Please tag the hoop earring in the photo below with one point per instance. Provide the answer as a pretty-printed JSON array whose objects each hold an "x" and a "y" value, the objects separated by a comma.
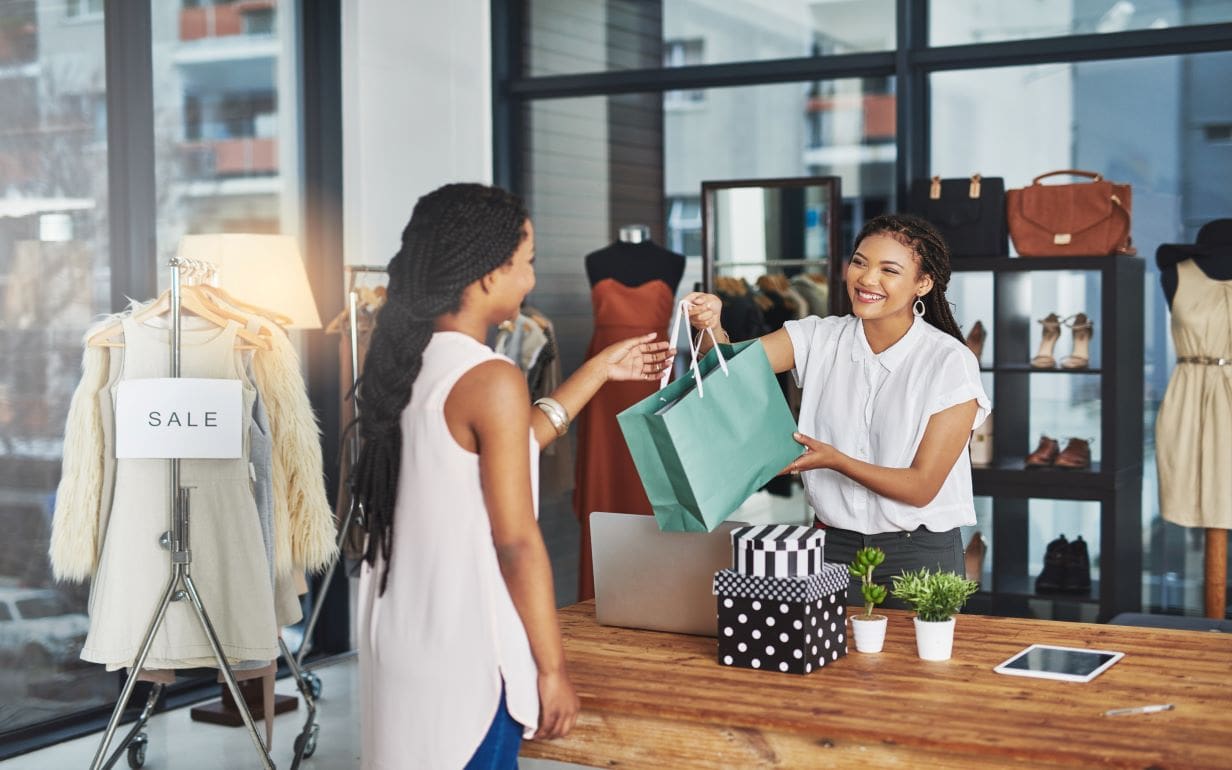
[{"x": 918, "y": 308}]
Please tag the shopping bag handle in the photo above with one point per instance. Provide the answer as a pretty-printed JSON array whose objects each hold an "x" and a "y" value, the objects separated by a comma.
[{"x": 682, "y": 314}]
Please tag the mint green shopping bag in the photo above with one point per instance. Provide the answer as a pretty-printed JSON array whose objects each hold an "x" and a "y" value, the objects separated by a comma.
[{"x": 701, "y": 451}]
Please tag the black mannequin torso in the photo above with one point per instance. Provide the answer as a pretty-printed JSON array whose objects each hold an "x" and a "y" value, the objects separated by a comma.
[
  {"x": 633, "y": 264},
  {"x": 1217, "y": 268}
]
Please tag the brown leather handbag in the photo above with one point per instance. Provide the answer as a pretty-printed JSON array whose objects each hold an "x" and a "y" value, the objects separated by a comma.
[{"x": 1069, "y": 220}]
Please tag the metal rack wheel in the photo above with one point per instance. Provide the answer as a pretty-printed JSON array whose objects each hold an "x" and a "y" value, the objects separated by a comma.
[
  {"x": 306, "y": 743},
  {"x": 314, "y": 683},
  {"x": 136, "y": 750}
]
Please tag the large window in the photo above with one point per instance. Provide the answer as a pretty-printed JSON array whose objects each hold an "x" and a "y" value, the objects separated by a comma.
[
  {"x": 226, "y": 157},
  {"x": 55, "y": 277},
  {"x": 1135, "y": 90},
  {"x": 225, "y": 119},
  {"x": 565, "y": 36},
  {"x": 952, "y": 22}
]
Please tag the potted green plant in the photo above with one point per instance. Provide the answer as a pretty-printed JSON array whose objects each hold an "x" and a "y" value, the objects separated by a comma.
[
  {"x": 869, "y": 629},
  {"x": 936, "y": 598}
]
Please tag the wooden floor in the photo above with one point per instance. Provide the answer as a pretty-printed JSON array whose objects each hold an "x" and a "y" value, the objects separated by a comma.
[{"x": 660, "y": 700}]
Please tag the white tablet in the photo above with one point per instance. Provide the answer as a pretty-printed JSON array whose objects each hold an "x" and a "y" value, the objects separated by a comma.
[{"x": 1069, "y": 664}]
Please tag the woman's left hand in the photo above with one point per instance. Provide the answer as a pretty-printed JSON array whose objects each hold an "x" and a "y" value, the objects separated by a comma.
[
  {"x": 816, "y": 455},
  {"x": 637, "y": 358}
]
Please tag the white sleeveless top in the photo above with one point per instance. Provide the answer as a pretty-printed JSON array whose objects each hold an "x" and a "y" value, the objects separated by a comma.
[{"x": 434, "y": 648}]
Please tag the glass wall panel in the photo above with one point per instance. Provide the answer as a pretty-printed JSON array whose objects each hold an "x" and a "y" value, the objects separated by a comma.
[
  {"x": 954, "y": 22},
  {"x": 593, "y": 164},
  {"x": 54, "y": 278},
  {"x": 563, "y": 36},
  {"x": 225, "y": 118},
  {"x": 1019, "y": 122}
]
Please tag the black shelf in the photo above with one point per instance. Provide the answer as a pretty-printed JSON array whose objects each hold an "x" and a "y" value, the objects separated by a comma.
[
  {"x": 1028, "y": 369},
  {"x": 1009, "y": 477},
  {"x": 1115, "y": 483},
  {"x": 1023, "y": 587},
  {"x": 1032, "y": 264}
]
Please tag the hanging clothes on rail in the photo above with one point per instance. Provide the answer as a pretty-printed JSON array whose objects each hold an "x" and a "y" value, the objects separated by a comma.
[
  {"x": 530, "y": 342},
  {"x": 258, "y": 521},
  {"x": 368, "y": 302}
]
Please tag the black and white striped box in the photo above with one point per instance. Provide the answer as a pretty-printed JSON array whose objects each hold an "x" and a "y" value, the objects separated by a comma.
[{"x": 778, "y": 550}]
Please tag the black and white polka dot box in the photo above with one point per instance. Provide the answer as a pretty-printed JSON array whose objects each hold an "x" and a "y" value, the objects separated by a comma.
[
  {"x": 778, "y": 550},
  {"x": 790, "y": 625}
]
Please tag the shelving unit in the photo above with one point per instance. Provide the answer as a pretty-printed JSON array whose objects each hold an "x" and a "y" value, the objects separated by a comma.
[{"x": 1115, "y": 482}]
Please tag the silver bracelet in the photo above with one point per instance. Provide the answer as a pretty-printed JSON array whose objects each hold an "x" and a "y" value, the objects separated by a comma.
[{"x": 556, "y": 414}]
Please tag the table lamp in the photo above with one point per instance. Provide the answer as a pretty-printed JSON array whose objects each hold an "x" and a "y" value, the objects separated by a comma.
[{"x": 263, "y": 270}]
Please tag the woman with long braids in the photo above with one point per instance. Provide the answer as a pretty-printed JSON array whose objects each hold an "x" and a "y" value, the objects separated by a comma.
[
  {"x": 460, "y": 651},
  {"x": 890, "y": 397}
]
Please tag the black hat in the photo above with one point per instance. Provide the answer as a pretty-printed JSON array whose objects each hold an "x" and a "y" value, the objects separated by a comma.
[{"x": 1214, "y": 238}]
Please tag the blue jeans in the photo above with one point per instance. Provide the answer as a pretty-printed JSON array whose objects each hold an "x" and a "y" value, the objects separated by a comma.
[{"x": 499, "y": 748}]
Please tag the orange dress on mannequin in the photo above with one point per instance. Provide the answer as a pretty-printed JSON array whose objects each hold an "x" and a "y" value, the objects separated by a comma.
[{"x": 606, "y": 479}]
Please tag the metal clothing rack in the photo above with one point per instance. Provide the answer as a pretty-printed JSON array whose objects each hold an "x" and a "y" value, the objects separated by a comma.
[
  {"x": 355, "y": 510},
  {"x": 180, "y": 587}
]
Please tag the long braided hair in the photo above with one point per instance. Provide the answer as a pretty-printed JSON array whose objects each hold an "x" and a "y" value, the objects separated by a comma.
[
  {"x": 923, "y": 239},
  {"x": 457, "y": 234}
]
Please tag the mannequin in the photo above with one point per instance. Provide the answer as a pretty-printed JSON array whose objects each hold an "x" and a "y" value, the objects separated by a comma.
[
  {"x": 1211, "y": 255},
  {"x": 633, "y": 288},
  {"x": 634, "y": 259}
]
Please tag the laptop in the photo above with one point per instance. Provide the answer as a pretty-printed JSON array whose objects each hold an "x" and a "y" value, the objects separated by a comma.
[{"x": 661, "y": 581}]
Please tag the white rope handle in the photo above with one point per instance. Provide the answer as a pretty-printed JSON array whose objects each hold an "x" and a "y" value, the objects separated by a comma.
[{"x": 682, "y": 314}]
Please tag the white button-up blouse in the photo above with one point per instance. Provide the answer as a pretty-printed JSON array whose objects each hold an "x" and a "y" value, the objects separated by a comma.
[{"x": 875, "y": 408}]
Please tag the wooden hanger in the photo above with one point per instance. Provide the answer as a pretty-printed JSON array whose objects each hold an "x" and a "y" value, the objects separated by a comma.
[
  {"x": 224, "y": 298},
  {"x": 192, "y": 301}
]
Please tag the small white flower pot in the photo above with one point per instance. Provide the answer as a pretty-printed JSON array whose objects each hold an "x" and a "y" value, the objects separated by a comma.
[
  {"x": 934, "y": 640},
  {"x": 870, "y": 632}
]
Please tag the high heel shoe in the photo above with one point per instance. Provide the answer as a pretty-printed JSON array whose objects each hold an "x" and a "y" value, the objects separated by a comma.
[
  {"x": 973, "y": 557},
  {"x": 1081, "y": 357},
  {"x": 1052, "y": 332},
  {"x": 975, "y": 339}
]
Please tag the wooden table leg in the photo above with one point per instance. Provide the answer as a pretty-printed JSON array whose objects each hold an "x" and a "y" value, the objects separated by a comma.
[{"x": 1216, "y": 573}]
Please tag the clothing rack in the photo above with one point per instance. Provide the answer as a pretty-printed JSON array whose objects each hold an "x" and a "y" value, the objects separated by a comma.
[
  {"x": 355, "y": 511},
  {"x": 720, "y": 264},
  {"x": 180, "y": 586}
]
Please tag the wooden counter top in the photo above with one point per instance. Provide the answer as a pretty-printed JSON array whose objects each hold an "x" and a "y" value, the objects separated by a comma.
[{"x": 660, "y": 700}]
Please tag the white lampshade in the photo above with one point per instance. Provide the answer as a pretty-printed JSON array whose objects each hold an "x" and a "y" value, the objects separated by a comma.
[{"x": 262, "y": 270}]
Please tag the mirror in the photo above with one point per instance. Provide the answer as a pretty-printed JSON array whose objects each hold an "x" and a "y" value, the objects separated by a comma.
[
  {"x": 771, "y": 227},
  {"x": 770, "y": 252}
]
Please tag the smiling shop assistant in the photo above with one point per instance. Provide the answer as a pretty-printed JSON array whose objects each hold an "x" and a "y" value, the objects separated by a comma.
[{"x": 890, "y": 397}]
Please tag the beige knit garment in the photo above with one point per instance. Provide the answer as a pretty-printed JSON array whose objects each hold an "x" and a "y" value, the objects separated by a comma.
[{"x": 1193, "y": 452}]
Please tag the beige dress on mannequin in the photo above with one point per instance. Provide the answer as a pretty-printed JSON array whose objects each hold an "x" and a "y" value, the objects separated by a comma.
[{"x": 1193, "y": 453}]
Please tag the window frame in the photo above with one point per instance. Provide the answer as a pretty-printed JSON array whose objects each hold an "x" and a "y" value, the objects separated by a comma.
[{"x": 910, "y": 64}]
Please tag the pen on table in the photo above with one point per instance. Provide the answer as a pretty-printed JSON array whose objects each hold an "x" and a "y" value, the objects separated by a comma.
[{"x": 1139, "y": 710}]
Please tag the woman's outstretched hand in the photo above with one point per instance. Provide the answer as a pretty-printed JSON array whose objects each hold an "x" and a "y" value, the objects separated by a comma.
[
  {"x": 704, "y": 310},
  {"x": 816, "y": 455},
  {"x": 637, "y": 358}
]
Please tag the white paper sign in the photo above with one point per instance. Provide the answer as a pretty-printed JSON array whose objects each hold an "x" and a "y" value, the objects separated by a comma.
[{"x": 179, "y": 418}]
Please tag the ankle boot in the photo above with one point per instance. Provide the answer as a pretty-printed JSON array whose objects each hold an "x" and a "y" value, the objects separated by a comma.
[
  {"x": 1056, "y": 560},
  {"x": 1045, "y": 454},
  {"x": 1076, "y": 456},
  {"x": 1078, "y": 567}
]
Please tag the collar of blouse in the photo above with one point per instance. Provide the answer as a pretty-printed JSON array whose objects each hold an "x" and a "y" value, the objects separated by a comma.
[{"x": 893, "y": 355}]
